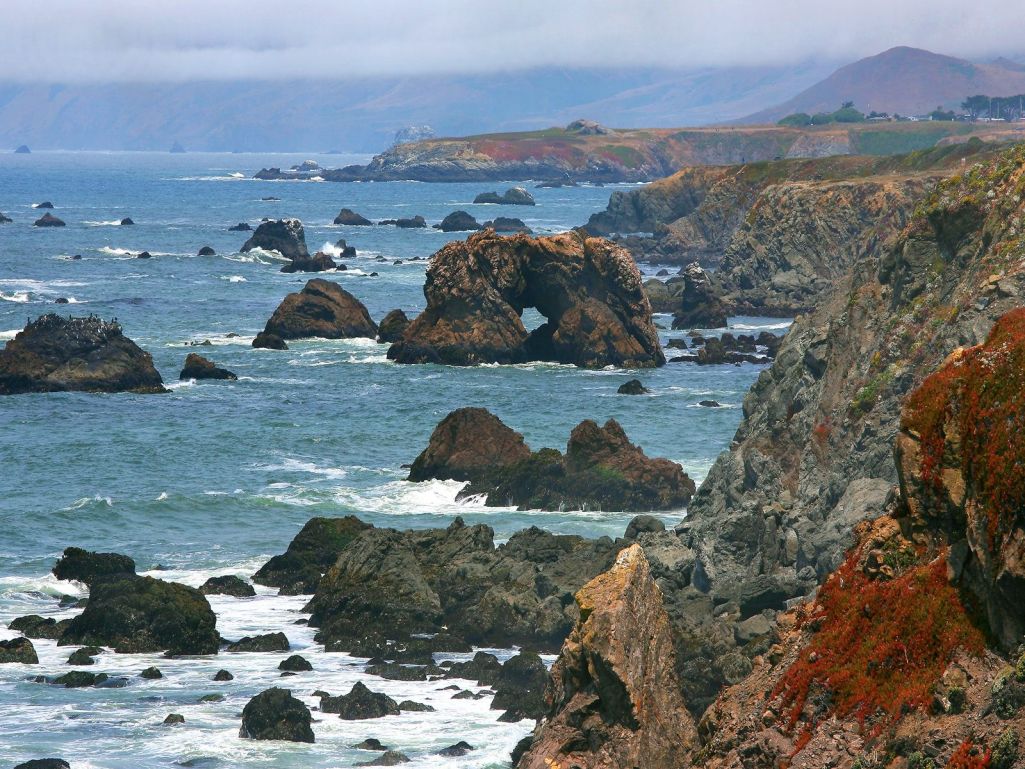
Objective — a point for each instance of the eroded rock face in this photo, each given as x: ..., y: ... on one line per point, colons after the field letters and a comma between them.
x: 587, y: 288
x: 392, y: 327
x: 614, y: 698
x: 322, y: 309
x: 698, y: 304
x: 467, y: 444
x: 286, y: 236
x: 55, y: 354
x: 275, y: 714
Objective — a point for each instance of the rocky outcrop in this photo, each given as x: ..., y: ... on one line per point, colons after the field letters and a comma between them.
x: 514, y: 196
x: 699, y: 304
x: 227, y: 584
x: 319, y: 262
x: 632, y: 387
x: 86, y: 566
x: 312, y: 551
x: 240, y: 227
x: 322, y: 309
x: 267, y: 341
x: 350, y: 218
x: 466, y: 445
x: 206, y: 251
x: 286, y: 236
x: 136, y: 615
x: 18, y: 650
x: 601, y: 470
x: 614, y: 697
x: 458, y: 221
x: 412, y: 223
x: 360, y: 704
x: 198, y: 367
x: 5, y: 219
x: 588, y: 289
x: 505, y: 224
x: 48, y: 220
x: 392, y: 326
x: 274, y: 714
x: 54, y: 354
x: 266, y: 642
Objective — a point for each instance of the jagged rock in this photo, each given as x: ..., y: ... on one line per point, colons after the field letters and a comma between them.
x: 458, y: 221
x: 240, y: 227
x: 614, y: 697
x: 520, y: 686
x: 588, y: 289
x: 322, y: 309
x: 351, y: 218
x: 269, y: 341
x: 360, y: 704
x: 86, y: 567
x: 206, y: 251
x: 198, y: 367
x: 136, y: 614
x: 48, y: 220
x: 392, y: 327
x: 319, y: 262
x: 632, y: 387
x: 227, y: 584
x: 295, y: 664
x: 19, y: 650
x: 286, y: 236
x: 601, y: 469
x: 346, y: 249
x: 274, y: 714
x: 708, y: 404
x: 43, y: 205
x: 173, y: 719
x: 514, y: 196
x: 223, y: 675
x: 151, y: 674
x: 268, y: 642
x: 467, y: 444
x: 699, y: 304
x: 54, y: 354
x: 313, y: 550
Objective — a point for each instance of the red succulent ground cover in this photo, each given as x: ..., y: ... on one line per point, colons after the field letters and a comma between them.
x: 969, y: 756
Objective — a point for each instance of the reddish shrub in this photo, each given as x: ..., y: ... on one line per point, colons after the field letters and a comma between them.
x: 968, y: 756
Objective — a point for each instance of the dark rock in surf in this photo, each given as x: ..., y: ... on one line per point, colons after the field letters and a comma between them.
x: 5, y: 219
x: 84, y: 656
x: 151, y: 674
x: 319, y: 262
x: 206, y: 251
x: 322, y: 309
x: 295, y: 664
x: 34, y: 626
x: 286, y: 236
x: 269, y: 341
x: 22, y: 150
x: 85, y: 566
x: 345, y: 248
x: 392, y: 327
x: 360, y: 704
x: 144, y: 255
x: 48, y: 220
x: 44, y: 763
x: 643, y: 524
x: 198, y: 367
x: 127, y: 222
x: 268, y: 642
x: 44, y: 204
x: 632, y: 387
x: 275, y: 714
x: 466, y: 445
x: 388, y: 758
x: 173, y: 719
x: 223, y: 675
x: 227, y: 584
x: 507, y: 224
x: 461, y: 748
x: 458, y: 221
x: 514, y: 196
x: 371, y: 743
x: 18, y: 650
x: 313, y: 550
x: 240, y: 227
x: 520, y: 686
x: 412, y: 223
x: 350, y: 218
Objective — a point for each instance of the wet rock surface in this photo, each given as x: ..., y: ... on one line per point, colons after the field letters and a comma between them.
x: 275, y: 714
x: 228, y: 584
x: 312, y: 552
x: 392, y: 326
x: 198, y: 367
x: 286, y: 236
x: 18, y: 650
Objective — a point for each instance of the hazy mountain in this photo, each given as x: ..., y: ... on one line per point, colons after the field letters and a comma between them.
x: 363, y: 115
x: 904, y: 80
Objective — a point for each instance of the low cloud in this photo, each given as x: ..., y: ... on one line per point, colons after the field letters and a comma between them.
x: 124, y: 41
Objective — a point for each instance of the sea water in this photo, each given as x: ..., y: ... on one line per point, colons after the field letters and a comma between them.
x: 215, y: 477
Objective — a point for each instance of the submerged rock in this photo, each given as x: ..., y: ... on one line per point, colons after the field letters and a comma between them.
x: 55, y: 354
x: 86, y: 566
x: 227, y: 584
x: 458, y: 221
x: 48, y: 220
x: 4, y: 219
x: 198, y: 367
x: 588, y: 289
x: 360, y: 704
x: 286, y: 236
x: 84, y: 656
x: 19, y: 650
x: 514, y: 196
x: 392, y: 327
x: 319, y: 262
x: 275, y: 714
x: 322, y: 309
x: 309, y: 554
x: 614, y: 696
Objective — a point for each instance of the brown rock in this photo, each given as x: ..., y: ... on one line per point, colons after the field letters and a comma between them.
x: 614, y: 697
x: 698, y: 305
x: 322, y: 309
x: 198, y: 367
x: 466, y: 444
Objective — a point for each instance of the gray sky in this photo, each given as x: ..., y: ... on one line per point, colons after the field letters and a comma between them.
x: 146, y: 40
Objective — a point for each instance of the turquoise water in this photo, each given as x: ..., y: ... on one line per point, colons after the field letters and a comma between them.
x: 215, y: 477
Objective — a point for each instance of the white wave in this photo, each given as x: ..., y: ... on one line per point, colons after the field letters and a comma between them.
x: 260, y: 255
x: 111, y: 223
x: 181, y: 384
x: 237, y: 175
x: 162, y: 496
x: 292, y: 465
x: 10, y: 334
x: 761, y: 326
x: 83, y: 501
x: 316, y: 178
x: 233, y: 278
x: 17, y: 296
x: 117, y: 251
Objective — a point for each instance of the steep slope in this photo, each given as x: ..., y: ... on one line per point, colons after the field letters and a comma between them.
x: 907, y: 81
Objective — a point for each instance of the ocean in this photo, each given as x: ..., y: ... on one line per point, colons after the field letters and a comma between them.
x: 215, y: 477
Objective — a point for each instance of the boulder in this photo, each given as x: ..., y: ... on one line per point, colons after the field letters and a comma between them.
x: 322, y: 309
x: 48, y: 220
x: 614, y: 697
x: 699, y: 304
x: 319, y: 262
x: 514, y: 196
x: 392, y: 327
x: 136, y: 615
x: 349, y: 217
x: 345, y: 248
x: 44, y: 204
x: 643, y: 524
x: 313, y: 550
x: 144, y: 255
x: 84, y: 656
x: 460, y: 748
x: 371, y: 743
x: 227, y: 584
x: 198, y: 367
x: 127, y: 222
x: 588, y: 289
x: 34, y: 626
x: 467, y: 444
x: 458, y: 221
x: 507, y: 224
x: 412, y: 223
x: 632, y: 387
x: 174, y: 719
x: 274, y: 714
x: 388, y: 758
x: 223, y: 675
x: 269, y: 341
x: 206, y: 251
x: 268, y: 642
x: 295, y: 664
x: 360, y: 704
x: 151, y: 674
x: 55, y: 354
x: 240, y: 227
x: 19, y: 650
x: 86, y: 567
x: 286, y: 236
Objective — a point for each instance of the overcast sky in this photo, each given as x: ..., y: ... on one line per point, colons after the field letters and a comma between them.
x: 104, y: 40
